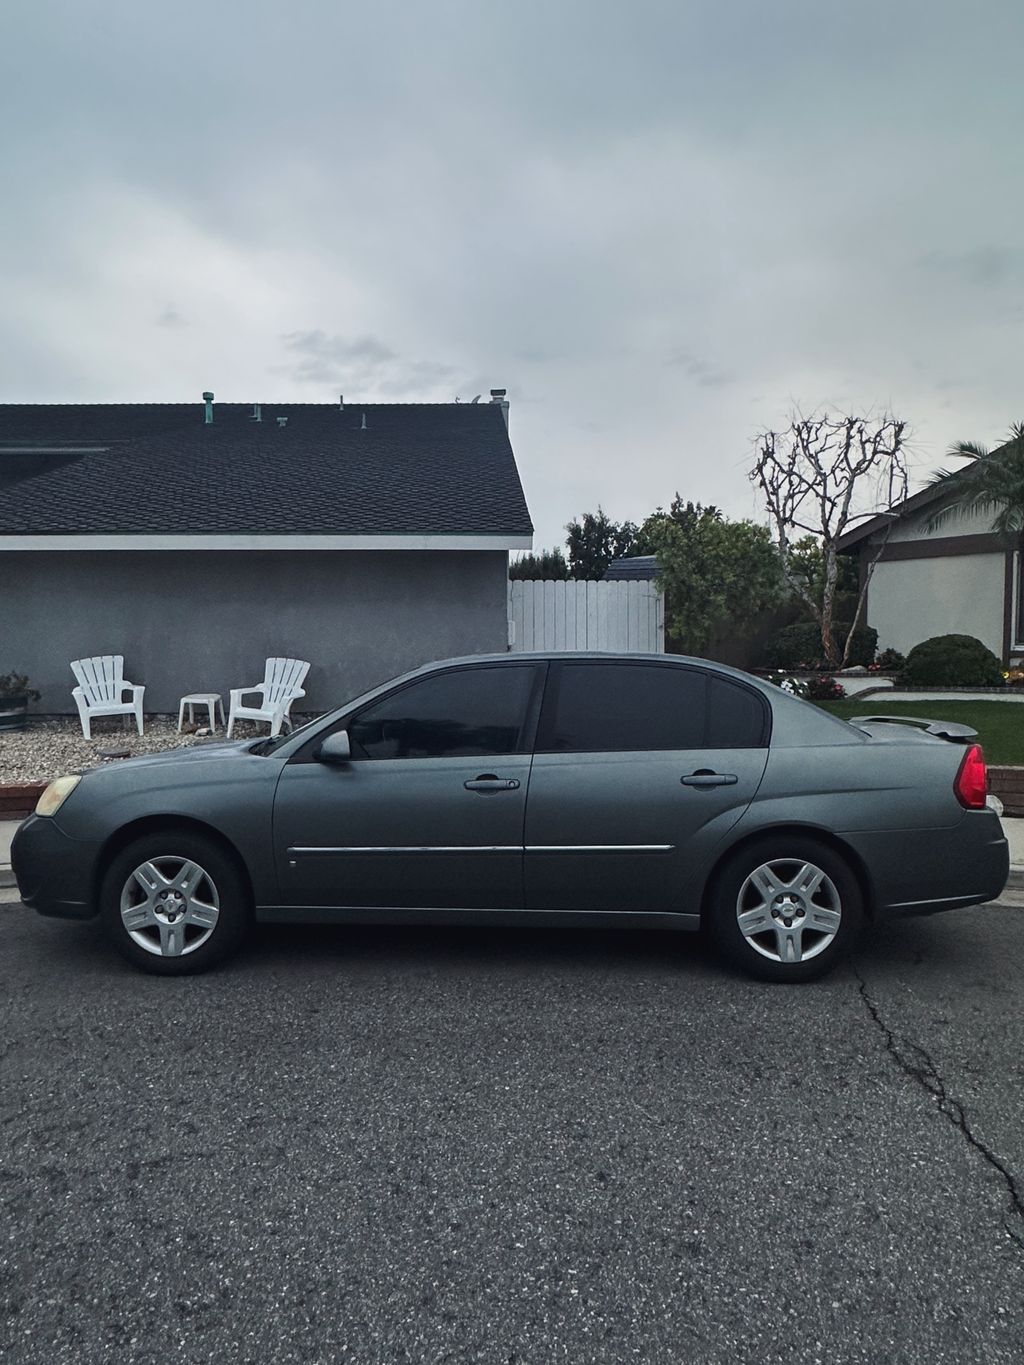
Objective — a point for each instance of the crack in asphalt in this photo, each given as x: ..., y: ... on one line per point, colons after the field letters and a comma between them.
x: 924, y: 1071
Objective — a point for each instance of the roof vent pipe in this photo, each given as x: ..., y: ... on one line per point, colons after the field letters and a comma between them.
x: 363, y: 427
x: 341, y: 400
x: 257, y: 415
x: 208, y: 400
x: 282, y: 422
x: 498, y: 396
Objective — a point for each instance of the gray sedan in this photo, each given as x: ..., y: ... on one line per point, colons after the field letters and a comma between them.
x: 593, y: 789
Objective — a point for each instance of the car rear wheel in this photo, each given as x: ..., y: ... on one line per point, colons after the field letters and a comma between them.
x: 174, y: 903
x: 786, y: 909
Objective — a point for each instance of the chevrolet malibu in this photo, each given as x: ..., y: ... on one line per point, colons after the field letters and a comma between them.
x: 558, y: 789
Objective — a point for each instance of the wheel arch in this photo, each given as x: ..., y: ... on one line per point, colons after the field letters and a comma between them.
x: 153, y: 824
x: 825, y: 837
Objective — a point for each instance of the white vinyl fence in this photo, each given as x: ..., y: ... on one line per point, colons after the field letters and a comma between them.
x: 628, y: 615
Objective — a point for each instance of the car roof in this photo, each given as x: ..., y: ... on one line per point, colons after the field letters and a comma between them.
x: 601, y: 656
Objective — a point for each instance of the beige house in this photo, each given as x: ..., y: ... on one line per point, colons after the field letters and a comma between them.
x: 961, y: 578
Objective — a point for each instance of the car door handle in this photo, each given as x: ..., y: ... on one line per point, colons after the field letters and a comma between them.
x: 487, y: 782
x: 704, y: 778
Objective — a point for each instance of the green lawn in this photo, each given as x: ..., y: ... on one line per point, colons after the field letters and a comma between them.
x: 1000, y: 724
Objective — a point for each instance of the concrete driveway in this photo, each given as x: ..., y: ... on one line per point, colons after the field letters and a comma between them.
x: 512, y: 1146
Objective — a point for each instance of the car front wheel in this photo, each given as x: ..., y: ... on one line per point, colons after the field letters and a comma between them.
x: 174, y: 903
x: 786, y: 909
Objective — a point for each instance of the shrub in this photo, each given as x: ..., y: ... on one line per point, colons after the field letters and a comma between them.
x: 952, y: 661
x: 16, y: 685
x: 799, y: 646
x: 824, y: 688
x: 891, y: 661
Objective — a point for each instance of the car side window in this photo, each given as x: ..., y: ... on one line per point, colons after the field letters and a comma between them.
x: 470, y: 711
x: 737, y: 717
x: 606, y: 707
x: 598, y: 707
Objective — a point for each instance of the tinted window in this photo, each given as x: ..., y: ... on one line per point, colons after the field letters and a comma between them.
x: 735, y: 716
x: 472, y: 711
x: 595, y: 708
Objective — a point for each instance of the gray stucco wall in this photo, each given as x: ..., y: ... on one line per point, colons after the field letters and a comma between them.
x: 207, y: 621
x: 911, y: 600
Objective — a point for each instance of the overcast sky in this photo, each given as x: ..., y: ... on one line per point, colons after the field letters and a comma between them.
x: 658, y: 225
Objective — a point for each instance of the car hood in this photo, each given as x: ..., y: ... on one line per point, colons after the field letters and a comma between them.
x: 191, y: 753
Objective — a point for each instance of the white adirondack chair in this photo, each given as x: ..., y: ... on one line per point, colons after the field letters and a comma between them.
x: 281, y: 685
x: 101, y: 688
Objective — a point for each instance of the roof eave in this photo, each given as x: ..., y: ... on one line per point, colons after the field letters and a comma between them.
x: 236, y: 541
x: 908, y: 507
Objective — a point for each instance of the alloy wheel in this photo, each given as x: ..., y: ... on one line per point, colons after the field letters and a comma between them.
x: 788, y: 910
x: 170, y: 906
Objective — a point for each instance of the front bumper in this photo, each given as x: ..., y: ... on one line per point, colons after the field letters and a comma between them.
x: 56, y: 874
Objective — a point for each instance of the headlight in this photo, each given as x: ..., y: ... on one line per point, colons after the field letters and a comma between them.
x: 56, y: 794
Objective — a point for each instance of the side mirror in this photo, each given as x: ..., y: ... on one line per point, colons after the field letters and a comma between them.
x: 335, y: 748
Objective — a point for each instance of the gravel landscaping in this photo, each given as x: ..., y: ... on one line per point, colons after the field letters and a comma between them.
x: 51, y: 747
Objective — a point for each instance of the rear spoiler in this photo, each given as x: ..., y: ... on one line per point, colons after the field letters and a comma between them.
x: 944, y: 729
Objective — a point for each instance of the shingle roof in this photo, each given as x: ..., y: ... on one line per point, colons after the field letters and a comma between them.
x: 158, y: 468
x: 632, y: 567
x: 916, y: 502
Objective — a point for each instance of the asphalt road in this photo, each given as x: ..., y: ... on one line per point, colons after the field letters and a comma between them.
x: 512, y: 1146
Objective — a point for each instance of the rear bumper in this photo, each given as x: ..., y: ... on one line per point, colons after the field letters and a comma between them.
x: 922, y: 872
x: 55, y: 874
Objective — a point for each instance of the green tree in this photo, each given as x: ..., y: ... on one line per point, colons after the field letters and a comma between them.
x: 993, y: 483
x: 807, y: 565
x: 594, y: 540
x: 685, y: 515
x: 543, y: 564
x: 716, y: 574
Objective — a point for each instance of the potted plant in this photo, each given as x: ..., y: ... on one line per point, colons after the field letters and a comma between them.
x: 15, y: 695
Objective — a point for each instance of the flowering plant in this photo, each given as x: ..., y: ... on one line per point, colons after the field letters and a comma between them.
x: 823, y: 688
x: 781, y: 678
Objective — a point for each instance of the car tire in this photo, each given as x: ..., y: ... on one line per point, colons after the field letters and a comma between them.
x: 174, y: 902
x: 786, y: 908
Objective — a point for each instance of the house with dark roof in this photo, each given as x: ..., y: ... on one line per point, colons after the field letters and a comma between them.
x: 197, y: 539
x: 959, y: 577
x: 632, y: 568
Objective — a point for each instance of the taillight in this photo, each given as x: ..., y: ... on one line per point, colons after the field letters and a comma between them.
x: 971, y: 785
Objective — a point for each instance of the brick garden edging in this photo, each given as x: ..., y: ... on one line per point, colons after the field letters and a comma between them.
x: 19, y: 799
x: 1008, y: 784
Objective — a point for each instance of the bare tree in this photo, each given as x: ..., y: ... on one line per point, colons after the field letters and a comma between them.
x: 818, y: 477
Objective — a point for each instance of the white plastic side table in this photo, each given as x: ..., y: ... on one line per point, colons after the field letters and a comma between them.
x: 194, y: 699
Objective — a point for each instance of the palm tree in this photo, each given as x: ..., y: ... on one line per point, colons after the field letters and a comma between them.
x: 993, y: 482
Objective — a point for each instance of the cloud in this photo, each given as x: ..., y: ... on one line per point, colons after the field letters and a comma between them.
x: 625, y: 215
x: 702, y: 372
x: 988, y: 266
x: 364, y: 364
